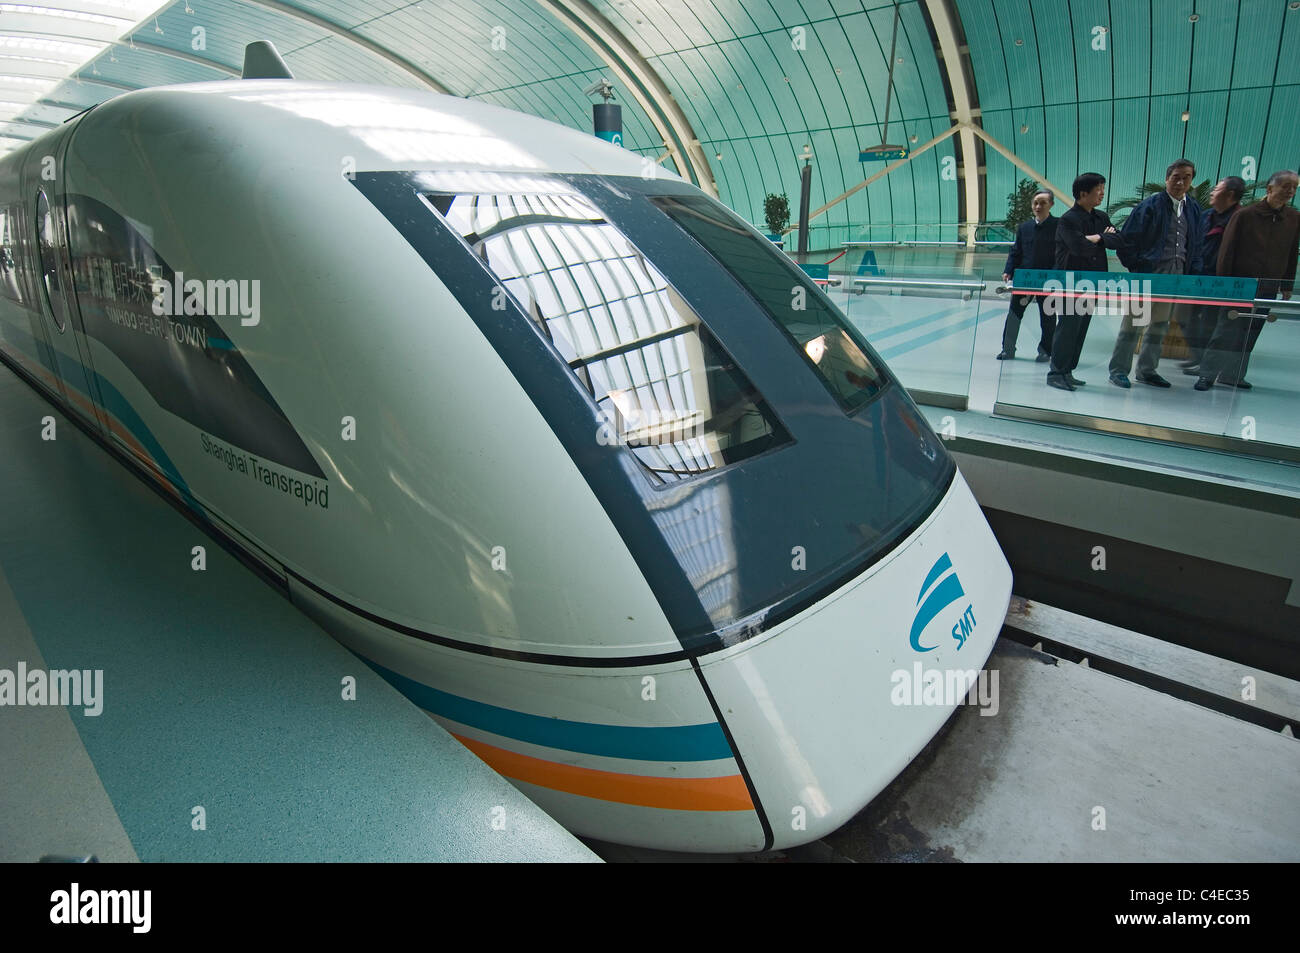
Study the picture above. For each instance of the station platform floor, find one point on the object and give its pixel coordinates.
(222, 732)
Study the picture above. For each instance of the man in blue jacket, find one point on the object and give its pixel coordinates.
(1035, 247)
(1163, 236)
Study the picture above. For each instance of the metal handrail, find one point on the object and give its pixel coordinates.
(930, 224)
(1288, 308)
(1277, 304)
(921, 283)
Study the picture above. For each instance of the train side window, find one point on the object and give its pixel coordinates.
(10, 278)
(46, 238)
(666, 387)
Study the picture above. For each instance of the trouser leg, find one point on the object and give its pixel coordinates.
(1047, 325)
(1067, 329)
(1256, 326)
(1082, 333)
(1236, 371)
(1223, 350)
(1154, 340)
(1121, 358)
(1198, 329)
(1011, 329)
(1247, 333)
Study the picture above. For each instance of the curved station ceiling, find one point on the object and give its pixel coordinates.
(728, 93)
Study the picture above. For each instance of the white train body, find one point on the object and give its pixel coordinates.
(566, 451)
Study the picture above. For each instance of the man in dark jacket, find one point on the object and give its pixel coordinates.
(1035, 247)
(1082, 236)
(1225, 201)
(1163, 236)
(1261, 241)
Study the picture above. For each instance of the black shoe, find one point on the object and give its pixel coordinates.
(1043, 357)
(1192, 370)
(1155, 380)
(1190, 362)
(1074, 380)
(1240, 385)
(1006, 355)
(1203, 383)
(1059, 382)
(1120, 380)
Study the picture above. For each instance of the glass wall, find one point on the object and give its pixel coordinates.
(938, 322)
(1174, 364)
(922, 321)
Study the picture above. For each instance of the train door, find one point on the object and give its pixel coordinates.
(57, 299)
(23, 327)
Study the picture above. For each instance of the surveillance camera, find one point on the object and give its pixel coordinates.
(602, 87)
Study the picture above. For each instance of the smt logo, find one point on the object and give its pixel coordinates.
(944, 589)
(74, 906)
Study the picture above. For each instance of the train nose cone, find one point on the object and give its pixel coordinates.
(829, 708)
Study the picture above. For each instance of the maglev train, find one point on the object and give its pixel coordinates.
(578, 460)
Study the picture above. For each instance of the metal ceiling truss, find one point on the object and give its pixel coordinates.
(957, 129)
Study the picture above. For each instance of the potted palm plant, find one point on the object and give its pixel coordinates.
(776, 211)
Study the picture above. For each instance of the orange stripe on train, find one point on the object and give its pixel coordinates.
(680, 794)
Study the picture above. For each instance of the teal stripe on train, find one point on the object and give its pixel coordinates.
(704, 742)
(117, 405)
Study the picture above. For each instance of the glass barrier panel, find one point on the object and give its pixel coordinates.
(1259, 387)
(1159, 356)
(921, 322)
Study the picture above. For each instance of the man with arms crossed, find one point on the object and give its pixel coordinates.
(1082, 237)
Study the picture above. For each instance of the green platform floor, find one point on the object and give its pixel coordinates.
(217, 694)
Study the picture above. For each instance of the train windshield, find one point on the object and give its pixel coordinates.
(664, 385)
(750, 447)
(828, 343)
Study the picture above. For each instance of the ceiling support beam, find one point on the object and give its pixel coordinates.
(134, 44)
(955, 129)
(129, 43)
(1023, 166)
(898, 164)
(344, 33)
(39, 123)
(944, 19)
(91, 81)
(640, 79)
